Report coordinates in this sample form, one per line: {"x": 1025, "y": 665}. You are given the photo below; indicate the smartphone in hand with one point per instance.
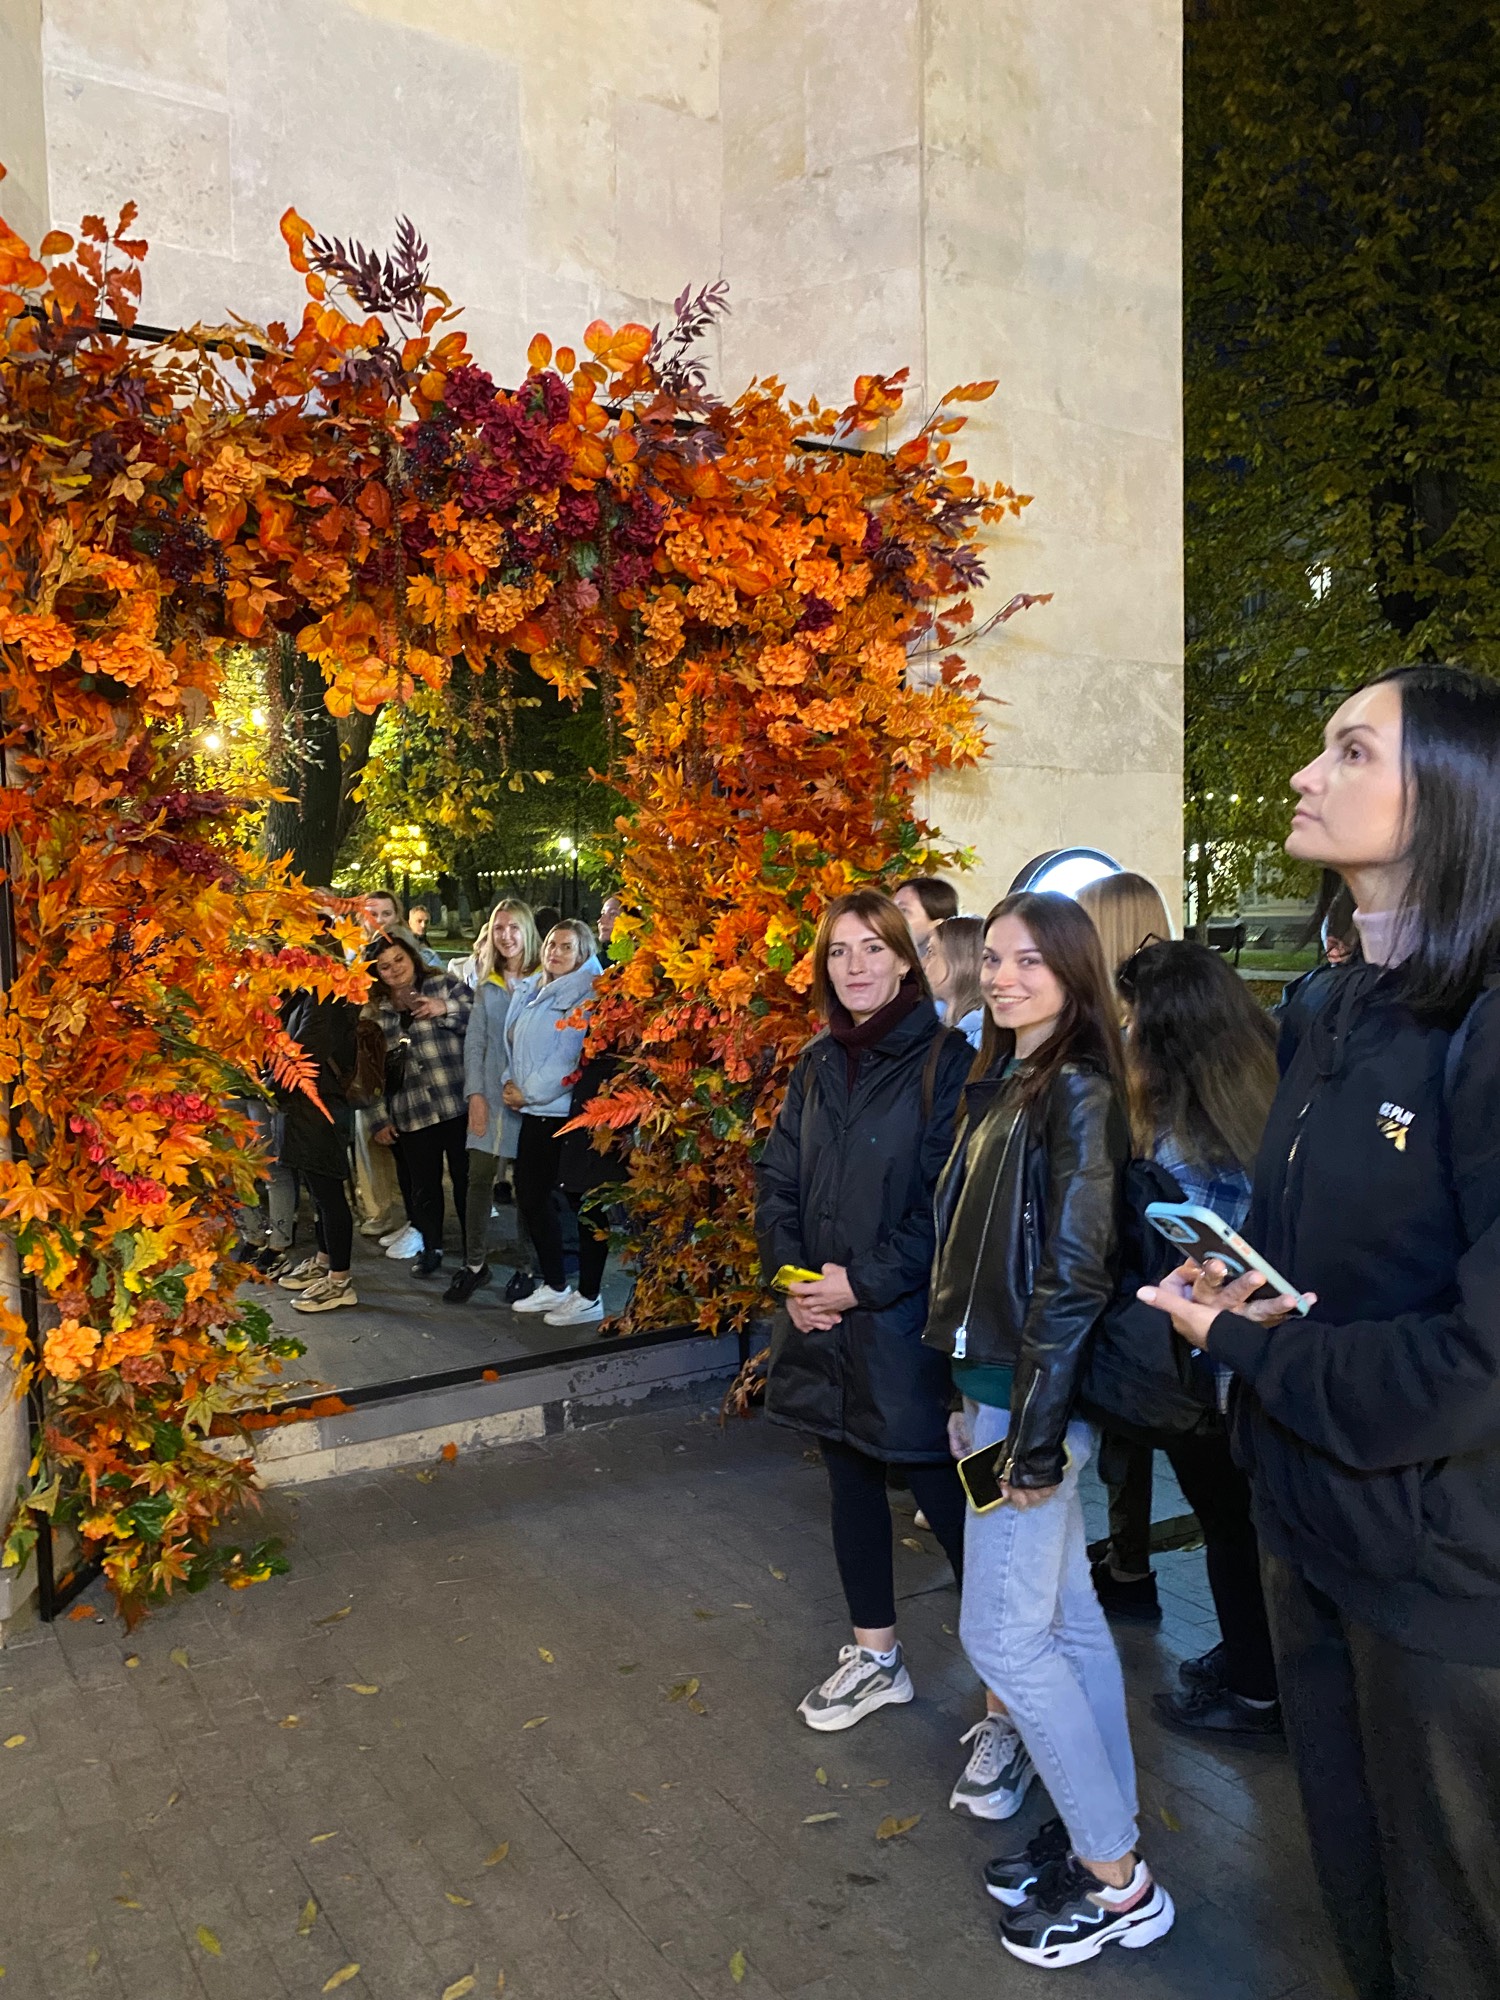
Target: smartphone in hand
{"x": 1200, "y": 1234}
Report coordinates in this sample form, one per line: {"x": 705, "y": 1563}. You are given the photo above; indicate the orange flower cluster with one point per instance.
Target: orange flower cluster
{"x": 776, "y": 731}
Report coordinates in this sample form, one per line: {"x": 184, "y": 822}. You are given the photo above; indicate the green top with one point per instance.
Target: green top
{"x": 984, "y": 1384}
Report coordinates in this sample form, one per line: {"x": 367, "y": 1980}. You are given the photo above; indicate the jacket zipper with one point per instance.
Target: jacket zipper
{"x": 1028, "y": 1246}
{"x": 1015, "y": 1431}
{"x": 961, "y": 1331}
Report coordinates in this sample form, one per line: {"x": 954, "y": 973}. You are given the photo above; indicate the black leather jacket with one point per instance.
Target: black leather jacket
{"x": 1027, "y": 1229}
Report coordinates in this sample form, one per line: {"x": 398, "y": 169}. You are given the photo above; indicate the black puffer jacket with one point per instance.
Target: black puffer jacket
{"x": 1028, "y": 1226}
{"x": 316, "y": 1141}
{"x": 1371, "y": 1429}
{"x": 847, "y": 1178}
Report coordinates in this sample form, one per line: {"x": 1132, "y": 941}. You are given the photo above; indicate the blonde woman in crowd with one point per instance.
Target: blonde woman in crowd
{"x": 951, "y": 962}
{"x": 507, "y": 952}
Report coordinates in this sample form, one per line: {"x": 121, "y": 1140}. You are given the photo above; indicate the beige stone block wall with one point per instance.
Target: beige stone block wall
{"x": 1052, "y": 204}
{"x": 23, "y": 131}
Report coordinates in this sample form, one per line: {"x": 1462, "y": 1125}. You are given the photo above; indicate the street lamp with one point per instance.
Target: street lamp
{"x": 567, "y": 847}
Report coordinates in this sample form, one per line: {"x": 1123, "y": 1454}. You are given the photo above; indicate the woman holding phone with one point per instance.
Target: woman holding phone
{"x": 1027, "y": 1227}
{"x": 845, "y": 1189}
{"x": 1371, "y": 1428}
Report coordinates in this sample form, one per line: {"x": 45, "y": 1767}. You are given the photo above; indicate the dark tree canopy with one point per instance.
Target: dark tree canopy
{"x": 1342, "y": 245}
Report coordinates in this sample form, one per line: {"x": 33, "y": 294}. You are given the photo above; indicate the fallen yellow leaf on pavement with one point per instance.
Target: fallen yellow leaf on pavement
{"x": 209, "y": 1942}
{"x": 459, "y": 1987}
{"x": 535, "y": 1722}
{"x": 545, "y": 1657}
{"x": 361, "y": 1687}
{"x": 459, "y": 1902}
{"x": 308, "y": 1917}
{"x": 817, "y": 1819}
{"x": 342, "y": 1977}
{"x": 179, "y": 1657}
{"x": 499, "y": 1854}
{"x": 14, "y": 1742}
{"x": 680, "y": 1690}
{"x": 892, "y": 1829}
{"x": 737, "y": 1967}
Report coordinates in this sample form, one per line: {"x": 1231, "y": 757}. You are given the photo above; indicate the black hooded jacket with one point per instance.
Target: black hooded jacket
{"x": 846, "y": 1178}
{"x": 1371, "y": 1429}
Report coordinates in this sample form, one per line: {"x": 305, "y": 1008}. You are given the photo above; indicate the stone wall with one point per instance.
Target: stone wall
{"x": 964, "y": 187}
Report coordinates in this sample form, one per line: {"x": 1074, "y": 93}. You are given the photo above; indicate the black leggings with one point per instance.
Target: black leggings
{"x": 424, "y": 1153}
{"x": 538, "y": 1165}
{"x": 862, "y": 1526}
{"x": 1219, "y": 1494}
{"x": 335, "y": 1224}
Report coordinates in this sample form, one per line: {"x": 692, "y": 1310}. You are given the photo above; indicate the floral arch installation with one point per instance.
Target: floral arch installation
{"x": 744, "y": 583}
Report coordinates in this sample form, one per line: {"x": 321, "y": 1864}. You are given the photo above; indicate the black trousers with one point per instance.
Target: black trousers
{"x": 1219, "y": 1494}
{"x": 1130, "y": 1514}
{"x": 1398, "y": 1760}
{"x": 424, "y": 1153}
{"x": 862, "y": 1526}
{"x": 331, "y": 1213}
{"x": 538, "y": 1166}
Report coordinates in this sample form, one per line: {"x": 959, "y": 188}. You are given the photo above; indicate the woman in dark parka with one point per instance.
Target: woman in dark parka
{"x": 846, "y": 1183}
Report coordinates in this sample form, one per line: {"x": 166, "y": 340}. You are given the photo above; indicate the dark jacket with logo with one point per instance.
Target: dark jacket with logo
{"x": 1028, "y": 1224}
{"x": 1371, "y": 1430}
{"x": 847, "y": 1178}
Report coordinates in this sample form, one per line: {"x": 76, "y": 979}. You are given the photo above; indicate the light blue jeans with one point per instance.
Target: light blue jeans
{"x": 1035, "y": 1635}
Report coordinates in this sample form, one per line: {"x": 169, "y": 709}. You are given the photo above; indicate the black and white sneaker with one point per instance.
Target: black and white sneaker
{"x": 861, "y": 1683}
{"x": 1071, "y": 1915}
{"x": 1011, "y": 1877}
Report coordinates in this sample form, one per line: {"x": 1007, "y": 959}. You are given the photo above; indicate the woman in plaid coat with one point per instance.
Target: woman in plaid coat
{"x": 425, "y": 1015}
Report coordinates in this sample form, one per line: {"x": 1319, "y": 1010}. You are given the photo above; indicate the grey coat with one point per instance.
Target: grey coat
{"x": 487, "y": 1065}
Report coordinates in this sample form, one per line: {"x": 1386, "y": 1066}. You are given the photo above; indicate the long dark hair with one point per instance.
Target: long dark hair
{"x": 1088, "y": 1029}
{"x": 1450, "y": 754}
{"x": 1200, "y": 1054}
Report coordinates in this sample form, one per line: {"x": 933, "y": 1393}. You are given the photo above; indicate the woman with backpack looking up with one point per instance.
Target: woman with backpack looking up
{"x": 845, "y": 1189}
{"x": 1371, "y": 1427}
{"x": 1200, "y": 1065}
{"x": 1027, "y": 1241}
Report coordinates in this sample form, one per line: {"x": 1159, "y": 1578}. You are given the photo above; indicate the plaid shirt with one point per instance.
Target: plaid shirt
{"x": 1226, "y": 1190}
{"x": 434, "y": 1087}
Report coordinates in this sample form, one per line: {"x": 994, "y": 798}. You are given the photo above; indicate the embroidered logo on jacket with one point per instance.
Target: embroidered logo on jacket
{"x": 1395, "y": 1121}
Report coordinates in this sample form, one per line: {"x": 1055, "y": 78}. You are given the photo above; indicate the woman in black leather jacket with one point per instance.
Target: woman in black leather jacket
{"x": 1027, "y": 1217}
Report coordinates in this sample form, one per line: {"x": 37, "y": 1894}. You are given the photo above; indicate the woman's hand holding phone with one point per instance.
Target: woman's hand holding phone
{"x": 819, "y": 1305}
{"x": 1194, "y": 1295}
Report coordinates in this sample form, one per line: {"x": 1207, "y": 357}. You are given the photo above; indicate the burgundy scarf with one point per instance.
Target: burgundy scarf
{"x": 854, "y": 1037}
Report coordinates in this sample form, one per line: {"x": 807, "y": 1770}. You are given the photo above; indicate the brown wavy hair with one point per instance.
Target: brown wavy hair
{"x": 875, "y": 908}
{"x": 1088, "y": 1028}
{"x": 1126, "y": 910}
{"x": 1200, "y": 1055}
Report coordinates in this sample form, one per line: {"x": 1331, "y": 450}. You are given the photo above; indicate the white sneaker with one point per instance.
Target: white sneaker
{"x": 544, "y": 1300}
{"x": 860, "y": 1684}
{"x": 998, "y": 1774}
{"x": 379, "y": 1225}
{"x": 578, "y": 1311}
{"x": 406, "y": 1242}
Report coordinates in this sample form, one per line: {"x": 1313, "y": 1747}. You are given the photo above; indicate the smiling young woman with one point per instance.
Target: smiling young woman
{"x": 1371, "y": 1428}
{"x": 1026, "y": 1224}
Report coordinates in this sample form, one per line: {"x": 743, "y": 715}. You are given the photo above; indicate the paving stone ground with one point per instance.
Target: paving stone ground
{"x": 531, "y": 1713}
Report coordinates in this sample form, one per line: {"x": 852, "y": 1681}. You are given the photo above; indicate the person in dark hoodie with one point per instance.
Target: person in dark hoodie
{"x": 845, "y": 1189}
{"x": 1371, "y": 1427}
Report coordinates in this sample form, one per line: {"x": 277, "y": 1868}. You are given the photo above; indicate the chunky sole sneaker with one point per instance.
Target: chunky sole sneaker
{"x": 405, "y": 1243}
{"x": 324, "y": 1298}
{"x": 1010, "y": 1878}
{"x": 1071, "y": 1917}
{"x": 998, "y": 1774}
{"x": 859, "y": 1685}
{"x": 308, "y": 1272}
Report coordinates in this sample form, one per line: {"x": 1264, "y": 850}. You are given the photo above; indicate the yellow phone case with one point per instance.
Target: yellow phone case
{"x": 793, "y": 1274}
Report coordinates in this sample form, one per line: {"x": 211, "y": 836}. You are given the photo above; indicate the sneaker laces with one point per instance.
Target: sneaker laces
{"x": 985, "y": 1761}
{"x": 1063, "y": 1880}
{"x": 854, "y": 1665}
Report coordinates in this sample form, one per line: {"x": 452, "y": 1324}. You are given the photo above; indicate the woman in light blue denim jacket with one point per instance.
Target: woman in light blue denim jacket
{"x": 545, "y": 1051}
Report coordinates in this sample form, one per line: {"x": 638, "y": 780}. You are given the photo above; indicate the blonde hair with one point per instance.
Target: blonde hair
{"x": 1126, "y": 910}
{"x": 531, "y": 944}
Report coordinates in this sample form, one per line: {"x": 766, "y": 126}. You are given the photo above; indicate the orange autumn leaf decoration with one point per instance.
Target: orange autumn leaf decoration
{"x": 771, "y": 617}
